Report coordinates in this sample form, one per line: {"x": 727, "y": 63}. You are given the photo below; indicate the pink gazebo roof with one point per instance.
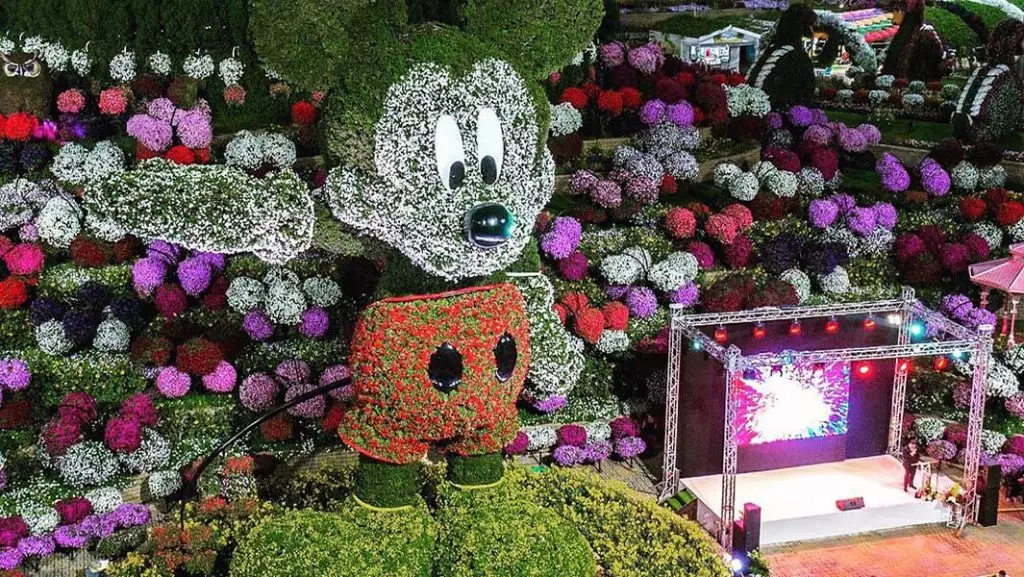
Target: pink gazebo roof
{"x": 1005, "y": 274}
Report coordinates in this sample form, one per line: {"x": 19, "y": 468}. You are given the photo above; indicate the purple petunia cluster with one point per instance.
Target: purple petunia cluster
{"x": 156, "y": 128}
{"x": 862, "y": 220}
{"x": 895, "y": 177}
{"x": 934, "y": 179}
{"x": 562, "y": 238}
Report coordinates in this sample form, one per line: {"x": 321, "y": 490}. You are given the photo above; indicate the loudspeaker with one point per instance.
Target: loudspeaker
{"x": 751, "y": 535}
{"x": 850, "y": 504}
{"x": 988, "y": 489}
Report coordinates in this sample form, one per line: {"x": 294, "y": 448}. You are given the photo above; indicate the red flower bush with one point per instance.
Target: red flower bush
{"x": 123, "y": 434}
{"x": 13, "y": 293}
{"x": 973, "y": 209}
{"x": 19, "y": 126}
{"x": 588, "y": 324}
{"x": 631, "y": 98}
{"x": 680, "y": 222}
{"x": 616, "y": 316}
{"x": 86, "y": 253}
{"x": 303, "y": 113}
{"x": 198, "y": 356}
{"x": 610, "y": 102}
{"x": 180, "y": 154}
{"x": 576, "y": 97}
{"x": 1009, "y": 213}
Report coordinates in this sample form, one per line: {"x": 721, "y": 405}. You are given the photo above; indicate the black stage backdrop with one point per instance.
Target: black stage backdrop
{"x": 702, "y": 400}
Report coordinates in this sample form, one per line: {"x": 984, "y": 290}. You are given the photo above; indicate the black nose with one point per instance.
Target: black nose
{"x": 489, "y": 225}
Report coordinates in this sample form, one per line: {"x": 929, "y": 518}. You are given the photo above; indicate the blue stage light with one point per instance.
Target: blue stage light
{"x": 695, "y": 345}
{"x": 917, "y": 329}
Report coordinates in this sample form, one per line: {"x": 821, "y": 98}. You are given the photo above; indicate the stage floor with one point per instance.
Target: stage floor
{"x": 799, "y": 503}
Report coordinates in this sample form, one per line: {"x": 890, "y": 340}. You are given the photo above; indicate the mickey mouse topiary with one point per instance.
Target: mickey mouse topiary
{"x": 784, "y": 70}
{"x": 989, "y": 106}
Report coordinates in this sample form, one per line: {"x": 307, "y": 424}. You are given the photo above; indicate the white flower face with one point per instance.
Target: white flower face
{"x": 459, "y": 179}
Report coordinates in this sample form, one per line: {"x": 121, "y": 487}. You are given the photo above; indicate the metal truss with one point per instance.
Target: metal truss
{"x": 687, "y": 326}
{"x": 972, "y": 452}
{"x": 730, "y": 452}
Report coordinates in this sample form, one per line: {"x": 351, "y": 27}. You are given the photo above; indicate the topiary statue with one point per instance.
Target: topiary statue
{"x": 916, "y": 52}
{"x": 990, "y": 104}
{"x": 25, "y": 84}
{"x": 784, "y": 70}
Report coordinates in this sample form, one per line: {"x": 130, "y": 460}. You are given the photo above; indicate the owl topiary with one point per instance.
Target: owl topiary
{"x": 990, "y": 104}
{"x": 784, "y": 70}
{"x": 25, "y": 85}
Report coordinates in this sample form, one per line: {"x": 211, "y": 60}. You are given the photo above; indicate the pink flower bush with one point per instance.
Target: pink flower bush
{"x": 123, "y": 434}
{"x": 113, "y": 101}
{"x": 24, "y": 259}
{"x": 71, "y": 101}
{"x": 173, "y": 383}
{"x": 722, "y": 228}
{"x": 222, "y": 379}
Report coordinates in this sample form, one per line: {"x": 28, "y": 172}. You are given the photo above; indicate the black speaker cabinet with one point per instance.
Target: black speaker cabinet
{"x": 751, "y": 527}
{"x": 850, "y": 504}
{"x": 988, "y": 490}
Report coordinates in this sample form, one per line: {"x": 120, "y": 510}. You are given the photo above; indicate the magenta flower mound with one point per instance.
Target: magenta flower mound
{"x": 195, "y": 275}
{"x": 800, "y": 115}
{"x": 258, "y": 392}
{"x": 774, "y": 120}
{"x": 955, "y": 257}
{"x": 568, "y": 455}
{"x": 335, "y": 374}
{"x": 818, "y": 134}
{"x": 582, "y": 182}
{"x": 704, "y": 253}
{"x": 685, "y": 295}
{"x": 131, "y": 514}
{"x": 12, "y": 529}
{"x": 215, "y": 260}
{"x": 173, "y": 383}
{"x": 310, "y": 409}
{"x": 861, "y": 220}
{"x": 152, "y": 133}
{"x": 315, "y": 322}
{"x": 908, "y": 246}
{"x": 171, "y": 300}
{"x": 518, "y": 445}
{"x": 823, "y": 213}
{"x": 78, "y": 406}
{"x": 563, "y": 238}
{"x": 10, "y": 558}
{"x": 141, "y": 407}
{"x": 845, "y": 202}
{"x": 73, "y": 510}
{"x": 194, "y": 129}
{"x": 574, "y": 267}
{"x": 222, "y": 379}
{"x": 257, "y": 325}
{"x": 630, "y": 447}
{"x": 871, "y": 134}
{"x": 123, "y": 434}
{"x": 612, "y": 54}
{"x": 574, "y": 435}
{"x": 70, "y": 537}
{"x": 642, "y": 302}
{"x": 39, "y": 546}
{"x": 293, "y": 371}
{"x": 623, "y": 426}
{"x": 646, "y": 58}
{"x": 14, "y": 374}
{"x": 956, "y": 306}
{"x": 680, "y": 114}
{"x": 607, "y": 194}
{"x": 977, "y": 246}
{"x": 652, "y": 113}
{"x": 24, "y": 259}
{"x": 885, "y": 215}
{"x": 550, "y": 404}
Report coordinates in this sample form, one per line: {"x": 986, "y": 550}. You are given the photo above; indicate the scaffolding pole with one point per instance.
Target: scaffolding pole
{"x": 972, "y": 451}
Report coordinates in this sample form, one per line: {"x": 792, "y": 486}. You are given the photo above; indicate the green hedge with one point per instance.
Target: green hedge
{"x": 352, "y": 543}
{"x": 108, "y": 377}
{"x": 990, "y": 14}
{"x": 496, "y": 533}
{"x": 630, "y": 534}
{"x": 475, "y": 470}
{"x": 385, "y": 485}
{"x": 61, "y": 281}
{"x": 951, "y": 28}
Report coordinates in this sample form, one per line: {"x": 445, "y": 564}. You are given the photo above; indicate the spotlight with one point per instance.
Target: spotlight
{"x": 795, "y": 329}
{"x": 870, "y": 323}
{"x": 721, "y": 335}
{"x": 759, "y": 331}
{"x": 957, "y": 355}
{"x": 832, "y": 326}
{"x": 894, "y": 319}
{"x": 904, "y": 366}
{"x": 695, "y": 345}
{"x": 917, "y": 329}
{"x": 863, "y": 369}
{"x": 736, "y": 565}
{"x": 940, "y": 363}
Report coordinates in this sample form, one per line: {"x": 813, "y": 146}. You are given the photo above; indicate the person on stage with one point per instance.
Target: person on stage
{"x": 910, "y": 459}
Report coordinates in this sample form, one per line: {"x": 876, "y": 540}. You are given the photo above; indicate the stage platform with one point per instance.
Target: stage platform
{"x": 799, "y": 503}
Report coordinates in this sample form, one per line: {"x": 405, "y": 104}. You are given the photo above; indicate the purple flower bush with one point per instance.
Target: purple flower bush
{"x": 562, "y": 238}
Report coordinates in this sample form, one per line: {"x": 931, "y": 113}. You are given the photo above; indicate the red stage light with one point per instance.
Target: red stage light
{"x": 940, "y": 363}
{"x": 832, "y": 327}
{"x": 759, "y": 331}
{"x": 721, "y": 335}
{"x": 795, "y": 329}
{"x": 870, "y": 324}
{"x": 904, "y": 366}
{"x": 863, "y": 369}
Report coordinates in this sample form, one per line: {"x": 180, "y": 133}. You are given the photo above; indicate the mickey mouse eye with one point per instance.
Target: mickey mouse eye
{"x": 490, "y": 146}
{"x": 10, "y": 69}
{"x": 451, "y": 157}
{"x": 31, "y": 69}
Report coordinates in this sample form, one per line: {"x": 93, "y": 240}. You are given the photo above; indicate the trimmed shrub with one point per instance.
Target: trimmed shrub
{"x": 475, "y": 470}
{"x": 386, "y": 485}
{"x": 353, "y": 543}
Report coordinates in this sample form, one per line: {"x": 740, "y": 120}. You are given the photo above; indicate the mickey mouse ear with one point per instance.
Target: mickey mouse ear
{"x": 311, "y": 44}
{"x": 540, "y": 36}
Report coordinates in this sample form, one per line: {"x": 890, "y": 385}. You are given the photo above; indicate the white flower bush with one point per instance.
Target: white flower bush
{"x": 724, "y": 172}
{"x": 285, "y": 302}
{"x": 598, "y": 431}
{"x": 81, "y": 62}
{"x": 844, "y": 95}
{"x": 741, "y": 185}
{"x": 231, "y": 70}
{"x": 675, "y": 271}
{"x": 153, "y": 453}
{"x": 800, "y": 281}
{"x": 836, "y": 282}
{"x": 626, "y": 268}
{"x": 540, "y": 437}
{"x": 245, "y": 294}
{"x": 122, "y": 67}
{"x": 781, "y": 183}
{"x": 59, "y": 222}
{"x": 885, "y": 81}
{"x": 112, "y": 336}
{"x": 159, "y": 63}
{"x": 104, "y": 499}
{"x": 992, "y": 441}
{"x": 747, "y": 100}
{"x": 929, "y": 428}
{"x": 992, "y": 234}
{"x": 431, "y": 122}
{"x": 76, "y": 165}
{"x": 209, "y": 208}
{"x": 40, "y": 518}
{"x": 51, "y": 339}
{"x": 991, "y": 177}
{"x": 810, "y": 181}
{"x": 913, "y": 101}
{"x": 251, "y": 151}
{"x": 556, "y": 356}
{"x": 322, "y": 292}
{"x": 612, "y": 342}
{"x": 565, "y": 119}
{"x": 87, "y": 463}
{"x": 163, "y": 484}
{"x": 1002, "y": 382}
{"x": 876, "y": 97}
{"x": 198, "y": 66}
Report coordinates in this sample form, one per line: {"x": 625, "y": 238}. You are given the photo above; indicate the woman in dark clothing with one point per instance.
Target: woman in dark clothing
{"x": 910, "y": 459}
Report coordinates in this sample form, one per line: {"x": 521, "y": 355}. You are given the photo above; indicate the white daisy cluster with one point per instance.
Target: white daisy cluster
{"x": 781, "y": 183}
{"x": 885, "y": 81}
{"x": 844, "y": 95}
{"x": 159, "y": 63}
{"x": 112, "y": 336}
{"x": 565, "y": 119}
{"x": 929, "y": 428}
{"x": 745, "y": 100}
{"x": 612, "y": 342}
{"x": 231, "y": 70}
{"x": 39, "y": 518}
{"x": 556, "y": 356}
{"x": 964, "y": 177}
{"x": 104, "y": 499}
{"x": 163, "y": 484}
{"x": 861, "y": 53}
{"x": 198, "y": 66}
{"x": 76, "y": 165}
{"x": 836, "y": 282}
{"x": 122, "y": 66}
{"x": 252, "y": 151}
{"x": 913, "y": 101}
{"x": 212, "y": 208}
{"x": 741, "y": 185}
{"x": 991, "y": 177}
{"x": 876, "y": 97}
{"x": 153, "y": 453}
{"x": 282, "y": 295}
{"x": 992, "y": 234}
{"x": 992, "y": 441}
{"x": 540, "y": 437}
{"x": 54, "y": 54}
{"x": 87, "y": 463}
{"x": 800, "y": 281}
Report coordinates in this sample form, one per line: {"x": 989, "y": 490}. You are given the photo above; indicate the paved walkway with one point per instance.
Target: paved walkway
{"x": 932, "y": 551}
